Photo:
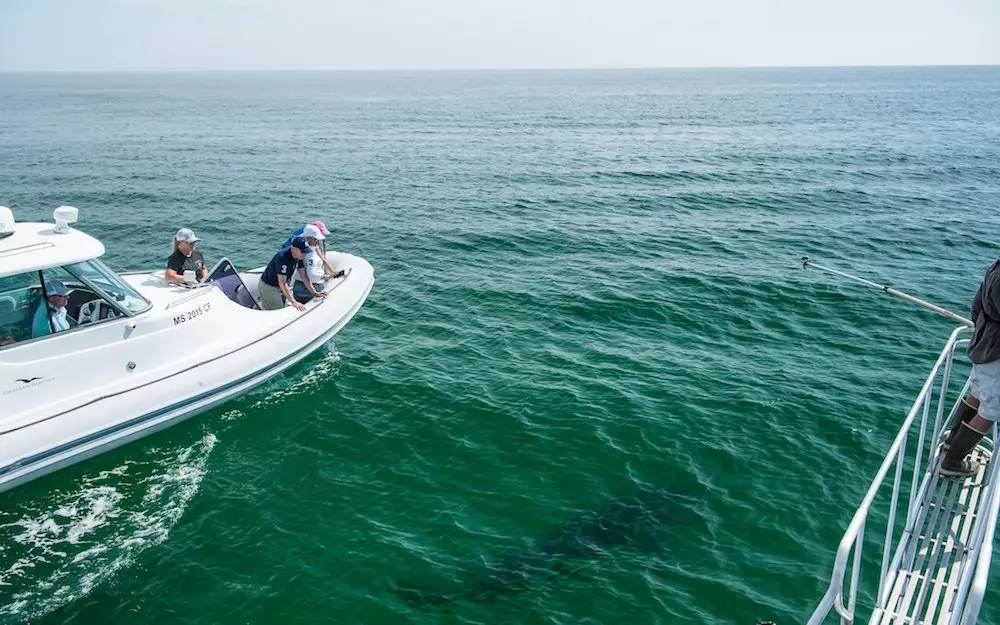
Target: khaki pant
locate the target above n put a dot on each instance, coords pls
(270, 297)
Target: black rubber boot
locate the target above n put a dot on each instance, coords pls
(955, 463)
(963, 414)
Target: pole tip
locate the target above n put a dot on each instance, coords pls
(805, 261)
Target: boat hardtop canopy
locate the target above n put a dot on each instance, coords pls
(33, 255)
(37, 246)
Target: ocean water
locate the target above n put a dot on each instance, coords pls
(588, 285)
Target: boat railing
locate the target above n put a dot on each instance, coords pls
(912, 477)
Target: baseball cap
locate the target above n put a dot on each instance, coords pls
(322, 227)
(186, 235)
(301, 244)
(313, 231)
(55, 287)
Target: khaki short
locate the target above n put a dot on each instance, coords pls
(270, 297)
(986, 388)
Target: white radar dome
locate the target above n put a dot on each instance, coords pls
(65, 215)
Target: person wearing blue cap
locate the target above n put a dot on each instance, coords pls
(276, 277)
(54, 309)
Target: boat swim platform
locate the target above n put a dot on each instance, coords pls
(937, 552)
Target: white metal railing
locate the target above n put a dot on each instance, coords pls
(975, 573)
(978, 586)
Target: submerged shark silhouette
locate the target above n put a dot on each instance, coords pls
(638, 522)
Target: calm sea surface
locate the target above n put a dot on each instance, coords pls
(587, 286)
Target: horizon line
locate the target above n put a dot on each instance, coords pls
(493, 69)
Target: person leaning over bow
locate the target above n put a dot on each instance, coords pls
(318, 269)
(301, 232)
(315, 233)
(328, 270)
(185, 258)
(274, 280)
(979, 410)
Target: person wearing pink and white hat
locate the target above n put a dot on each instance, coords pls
(317, 268)
(322, 228)
(320, 247)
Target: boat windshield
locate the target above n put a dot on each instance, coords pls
(101, 276)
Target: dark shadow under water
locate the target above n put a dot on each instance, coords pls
(639, 522)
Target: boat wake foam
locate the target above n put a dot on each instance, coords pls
(59, 548)
(281, 386)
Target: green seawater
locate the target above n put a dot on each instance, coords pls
(587, 286)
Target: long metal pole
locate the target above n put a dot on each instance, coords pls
(807, 262)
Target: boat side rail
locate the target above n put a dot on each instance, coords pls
(977, 586)
(934, 391)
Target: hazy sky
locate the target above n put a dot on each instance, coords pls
(434, 34)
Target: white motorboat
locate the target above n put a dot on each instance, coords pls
(140, 354)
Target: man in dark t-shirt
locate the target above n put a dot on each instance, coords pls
(185, 258)
(276, 277)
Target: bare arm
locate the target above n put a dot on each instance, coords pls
(172, 276)
(283, 286)
(326, 263)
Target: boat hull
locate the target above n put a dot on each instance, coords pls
(42, 442)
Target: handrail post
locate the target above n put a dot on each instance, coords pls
(912, 508)
(943, 393)
(887, 546)
(856, 573)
